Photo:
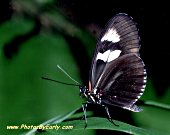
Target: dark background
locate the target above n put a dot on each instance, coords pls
(90, 16)
(153, 24)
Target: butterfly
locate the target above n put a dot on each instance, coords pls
(118, 75)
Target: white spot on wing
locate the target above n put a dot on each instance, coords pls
(144, 81)
(142, 89)
(136, 100)
(103, 56)
(138, 97)
(111, 35)
(108, 55)
(141, 94)
(113, 55)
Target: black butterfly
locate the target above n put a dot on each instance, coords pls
(117, 75)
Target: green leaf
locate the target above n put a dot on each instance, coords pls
(101, 123)
(56, 119)
(155, 114)
(94, 123)
(13, 28)
(157, 104)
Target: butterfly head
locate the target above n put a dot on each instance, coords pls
(84, 92)
(91, 96)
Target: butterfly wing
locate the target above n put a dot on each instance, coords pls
(121, 30)
(117, 67)
(121, 34)
(123, 82)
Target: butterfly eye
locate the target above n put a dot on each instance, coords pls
(83, 89)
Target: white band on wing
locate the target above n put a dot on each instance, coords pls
(111, 35)
(108, 55)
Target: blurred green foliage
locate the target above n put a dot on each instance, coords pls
(27, 99)
(152, 117)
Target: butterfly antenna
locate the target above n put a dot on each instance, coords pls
(68, 75)
(45, 78)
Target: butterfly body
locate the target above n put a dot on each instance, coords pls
(117, 76)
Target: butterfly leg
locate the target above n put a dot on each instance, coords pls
(84, 106)
(109, 117)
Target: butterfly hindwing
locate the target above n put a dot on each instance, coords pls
(123, 81)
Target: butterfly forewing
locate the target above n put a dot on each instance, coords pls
(121, 34)
(117, 71)
(124, 33)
